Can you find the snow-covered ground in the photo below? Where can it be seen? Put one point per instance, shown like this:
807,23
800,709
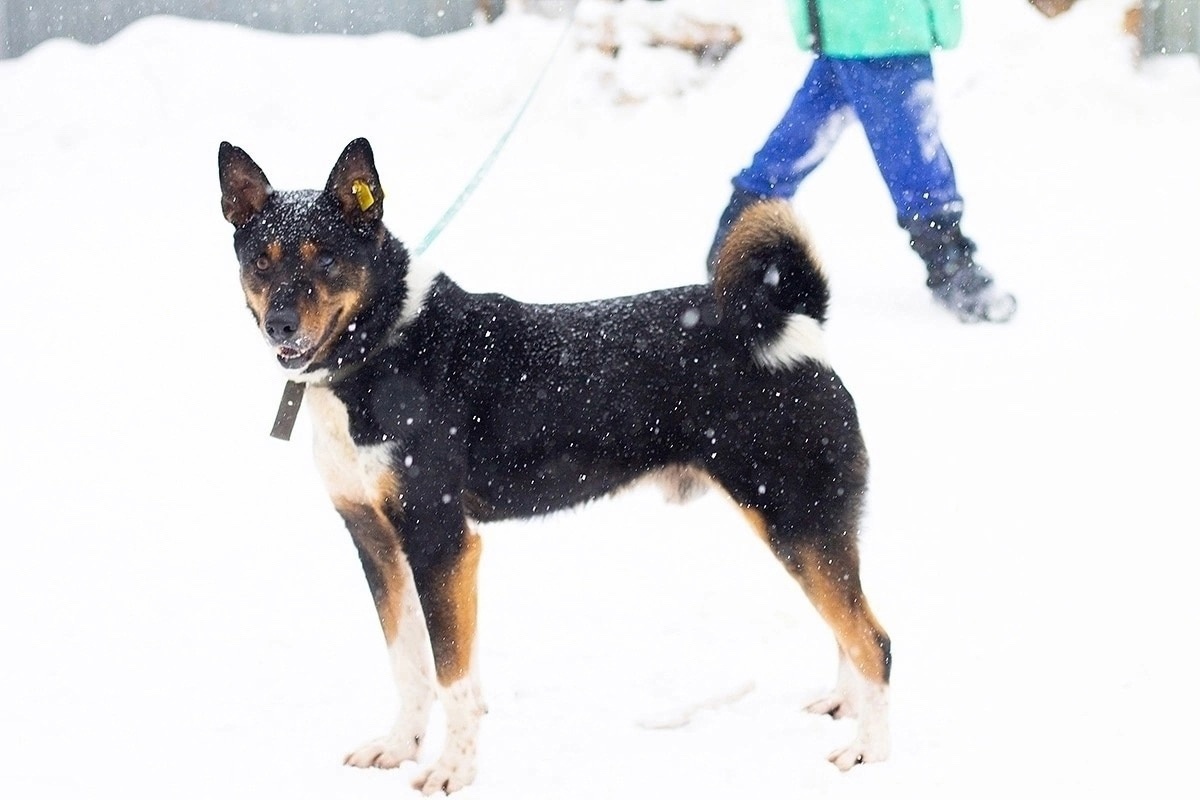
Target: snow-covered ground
182,615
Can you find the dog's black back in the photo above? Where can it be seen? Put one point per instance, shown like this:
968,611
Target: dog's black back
543,406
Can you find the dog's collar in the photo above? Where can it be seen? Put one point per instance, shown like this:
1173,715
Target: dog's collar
293,391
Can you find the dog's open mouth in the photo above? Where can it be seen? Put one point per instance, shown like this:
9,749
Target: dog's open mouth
294,356
298,353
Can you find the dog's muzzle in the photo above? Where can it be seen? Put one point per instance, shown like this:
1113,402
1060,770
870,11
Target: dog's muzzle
282,331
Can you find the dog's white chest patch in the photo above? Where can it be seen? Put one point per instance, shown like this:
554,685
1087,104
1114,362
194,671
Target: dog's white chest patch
352,474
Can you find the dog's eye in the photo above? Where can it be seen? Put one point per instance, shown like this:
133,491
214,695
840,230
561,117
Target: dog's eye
328,265
262,264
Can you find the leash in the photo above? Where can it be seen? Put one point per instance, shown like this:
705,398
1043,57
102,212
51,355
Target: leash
486,166
293,391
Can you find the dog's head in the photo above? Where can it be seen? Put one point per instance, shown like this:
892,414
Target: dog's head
305,255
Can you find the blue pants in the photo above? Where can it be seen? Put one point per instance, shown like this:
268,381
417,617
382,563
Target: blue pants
893,97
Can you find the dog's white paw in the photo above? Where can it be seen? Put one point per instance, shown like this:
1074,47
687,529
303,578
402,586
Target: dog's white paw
856,697
861,751
455,768
872,742
386,752
448,775
835,705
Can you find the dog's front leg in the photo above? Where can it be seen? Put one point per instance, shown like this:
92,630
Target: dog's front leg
390,578
444,554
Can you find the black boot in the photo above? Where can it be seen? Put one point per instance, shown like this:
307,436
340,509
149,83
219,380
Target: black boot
957,282
738,202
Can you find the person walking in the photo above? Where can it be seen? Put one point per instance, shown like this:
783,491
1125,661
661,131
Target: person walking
872,61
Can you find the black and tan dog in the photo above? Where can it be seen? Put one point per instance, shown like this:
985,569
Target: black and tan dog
434,409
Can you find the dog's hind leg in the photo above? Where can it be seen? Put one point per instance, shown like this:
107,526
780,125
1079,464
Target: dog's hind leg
445,576
390,578
826,566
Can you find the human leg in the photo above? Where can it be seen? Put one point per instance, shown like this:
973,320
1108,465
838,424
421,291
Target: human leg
894,98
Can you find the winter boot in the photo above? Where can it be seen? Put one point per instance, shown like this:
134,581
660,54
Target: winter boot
738,202
957,282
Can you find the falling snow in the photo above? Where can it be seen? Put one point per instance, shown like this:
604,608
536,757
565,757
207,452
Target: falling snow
185,617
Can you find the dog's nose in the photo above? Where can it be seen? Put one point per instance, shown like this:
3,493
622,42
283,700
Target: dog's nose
282,324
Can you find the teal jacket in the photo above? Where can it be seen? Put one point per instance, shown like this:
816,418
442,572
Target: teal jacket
870,28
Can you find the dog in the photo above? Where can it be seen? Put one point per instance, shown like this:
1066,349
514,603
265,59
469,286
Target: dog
435,409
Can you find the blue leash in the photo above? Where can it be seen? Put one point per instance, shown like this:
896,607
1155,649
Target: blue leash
486,166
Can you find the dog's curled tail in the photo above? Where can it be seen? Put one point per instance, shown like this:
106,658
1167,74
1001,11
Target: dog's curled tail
771,291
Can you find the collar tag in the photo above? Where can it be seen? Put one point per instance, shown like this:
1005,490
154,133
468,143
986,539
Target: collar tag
289,409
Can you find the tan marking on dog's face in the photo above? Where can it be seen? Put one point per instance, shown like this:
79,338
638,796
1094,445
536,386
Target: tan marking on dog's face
326,298
325,313
256,293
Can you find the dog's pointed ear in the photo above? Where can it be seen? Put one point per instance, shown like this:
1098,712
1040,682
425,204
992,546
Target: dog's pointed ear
354,184
244,187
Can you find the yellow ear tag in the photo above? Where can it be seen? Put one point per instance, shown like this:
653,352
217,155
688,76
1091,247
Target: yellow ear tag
362,193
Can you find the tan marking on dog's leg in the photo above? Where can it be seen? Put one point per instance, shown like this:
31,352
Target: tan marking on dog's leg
403,627
454,606
828,572
829,575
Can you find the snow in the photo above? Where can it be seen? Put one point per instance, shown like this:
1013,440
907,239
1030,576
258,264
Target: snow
184,616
